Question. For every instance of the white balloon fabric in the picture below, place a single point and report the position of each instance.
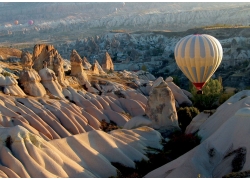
(198, 56)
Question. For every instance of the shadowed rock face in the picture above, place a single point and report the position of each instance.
(85, 63)
(161, 107)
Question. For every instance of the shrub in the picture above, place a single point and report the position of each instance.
(6, 74)
(179, 144)
(211, 93)
(144, 67)
(176, 80)
(225, 96)
(185, 116)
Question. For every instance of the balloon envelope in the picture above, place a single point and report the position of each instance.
(16, 22)
(30, 22)
(198, 56)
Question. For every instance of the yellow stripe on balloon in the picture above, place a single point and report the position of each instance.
(198, 56)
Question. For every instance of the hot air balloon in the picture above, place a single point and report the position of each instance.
(16, 22)
(30, 22)
(198, 56)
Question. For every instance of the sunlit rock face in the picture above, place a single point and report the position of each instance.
(29, 78)
(87, 155)
(49, 81)
(47, 53)
(77, 68)
(107, 63)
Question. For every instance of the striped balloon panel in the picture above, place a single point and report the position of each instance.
(198, 56)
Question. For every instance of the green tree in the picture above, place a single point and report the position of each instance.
(211, 93)
(144, 67)
(176, 80)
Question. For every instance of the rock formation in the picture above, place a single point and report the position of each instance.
(86, 64)
(107, 64)
(99, 68)
(224, 147)
(50, 55)
(29, 78)
(95, 69)
(87, 155)
(10, 86)
(59, 70)
(179, 95)
(161, 107)
(49, 81)
(77, 68)
(26, 60)
(43, 52)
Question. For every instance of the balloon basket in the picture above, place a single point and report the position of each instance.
(199, 92)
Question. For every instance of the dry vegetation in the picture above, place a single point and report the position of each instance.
(6, 52)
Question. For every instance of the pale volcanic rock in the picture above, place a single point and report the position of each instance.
(98, 114)
(26, 60)
(146, 134)
(76, 63)
(11, 86)
(79, 99)
(188, 94)
(58, 68)
(46, 116)
(113, 105)
(95, 69)
(77, 68)
(107, 63)
(43, 52)
(111, 94)
(137, 121)
(101, 71)
(224, 112)
(49, 81)
(116, 117)
(145, 75)
(179, 95)
(104, 104)
(86, 64)
(221, 153)
(161, 107)
(67, 94)
(196, 122)
(137, 96)
(132, 107)
(47, 53)
(29, 118)
(30, 80)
